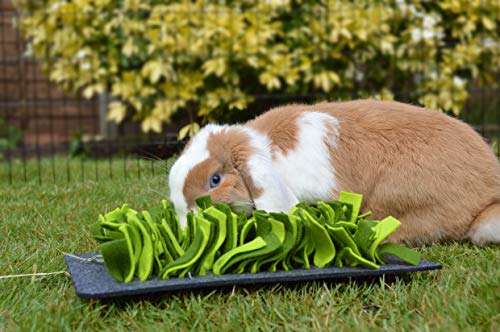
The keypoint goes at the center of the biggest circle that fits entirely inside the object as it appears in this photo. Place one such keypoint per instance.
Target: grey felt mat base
(92, 280)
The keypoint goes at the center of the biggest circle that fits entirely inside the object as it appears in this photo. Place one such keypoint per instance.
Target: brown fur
(431, 171)
(281, 127)
(229, 151)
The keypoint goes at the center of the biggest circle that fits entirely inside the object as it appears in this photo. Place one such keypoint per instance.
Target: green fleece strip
(248, 228)
(278, 229)
(288, 262)
(113, 224)
(282, 229)
(342, 238)
(306, 252)
(365, 235)
(304, 247)
(222, 263)
(364, 215)
(219, 230)
(406, 254)
(353, 199)
(250, 258)
(194, 251)
(327, 212)
(111, 230)
(163, 254)
(144, 268)
(172, 219)
(348, 226)
(299, 251)
(383, 229)
(154, 232)
(290, 223)
(204, 202)
(136, 240)
(217, 239)
(174, 248)
(158, 253)
(352, 259)
(337, 209)
(96, 229)
(149, 223)
(264, 231)
(190, 230)
(117, 215)
(272, 232)
(118, 256)
(231, 240)
(324, 250)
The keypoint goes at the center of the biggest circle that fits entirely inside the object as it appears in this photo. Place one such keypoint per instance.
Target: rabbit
(431, 171)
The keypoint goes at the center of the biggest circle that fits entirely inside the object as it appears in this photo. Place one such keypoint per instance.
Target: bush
(204, 58)
(10, 136)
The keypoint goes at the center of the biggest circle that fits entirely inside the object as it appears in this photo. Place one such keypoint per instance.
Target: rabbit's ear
(267, 187)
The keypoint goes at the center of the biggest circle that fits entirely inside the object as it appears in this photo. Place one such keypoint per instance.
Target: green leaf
(188, 131)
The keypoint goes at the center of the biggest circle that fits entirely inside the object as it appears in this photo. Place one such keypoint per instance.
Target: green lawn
(40, 222)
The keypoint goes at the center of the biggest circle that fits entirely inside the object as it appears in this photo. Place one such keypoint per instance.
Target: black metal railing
(47, 135)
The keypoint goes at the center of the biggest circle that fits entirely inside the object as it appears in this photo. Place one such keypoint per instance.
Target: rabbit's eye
(215, 180)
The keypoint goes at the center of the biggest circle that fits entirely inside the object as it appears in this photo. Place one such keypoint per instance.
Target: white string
(34, 274)
(97, 258)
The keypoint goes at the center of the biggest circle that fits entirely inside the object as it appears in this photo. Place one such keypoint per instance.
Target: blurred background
(108, 88)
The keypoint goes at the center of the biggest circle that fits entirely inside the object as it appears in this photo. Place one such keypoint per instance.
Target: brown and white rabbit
(432, 172)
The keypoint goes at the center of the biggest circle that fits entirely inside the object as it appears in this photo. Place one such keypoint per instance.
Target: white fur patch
(308, 168)
(195, 154)
(276, 195)
(488, 231)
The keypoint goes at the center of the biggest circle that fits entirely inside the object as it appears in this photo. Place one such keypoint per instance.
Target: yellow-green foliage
(159, 57)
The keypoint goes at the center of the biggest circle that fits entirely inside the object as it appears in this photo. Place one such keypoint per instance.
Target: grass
(40, 222)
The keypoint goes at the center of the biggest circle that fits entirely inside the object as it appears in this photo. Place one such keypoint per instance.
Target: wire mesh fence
(48, 135)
